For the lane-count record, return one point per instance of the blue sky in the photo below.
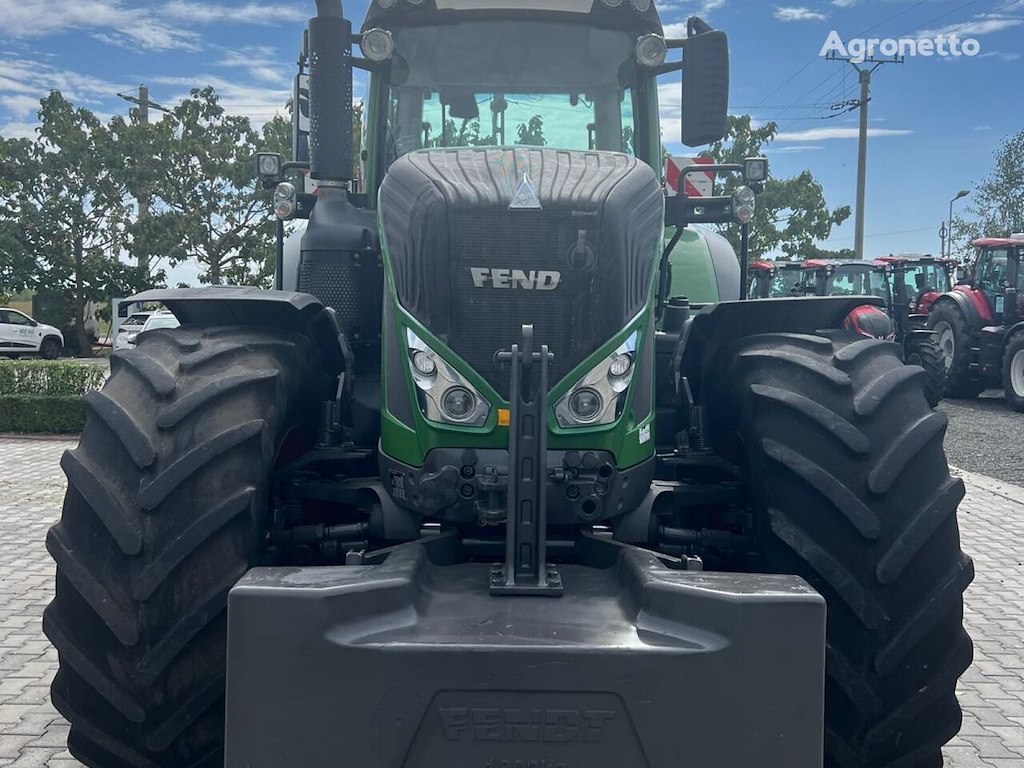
(935, 122)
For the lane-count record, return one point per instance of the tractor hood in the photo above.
(483, 241)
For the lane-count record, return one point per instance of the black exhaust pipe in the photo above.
(330, 94)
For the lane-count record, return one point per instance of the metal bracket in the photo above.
(525, 570)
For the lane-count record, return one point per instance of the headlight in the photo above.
(377, 45)
(620, 366)
(743, 204)
(598, 397)
(651, 50)
(586, 404)
(755, 169)
(424, 363)
(458, 403)
(444, 395)
(284, 201)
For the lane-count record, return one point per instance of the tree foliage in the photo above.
(996, 207)
(206, 206)
(65, 210)
(791, 214)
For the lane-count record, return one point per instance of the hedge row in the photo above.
(44, 396)
(42, 414)
(50, 377)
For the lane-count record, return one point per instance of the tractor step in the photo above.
(413, 664)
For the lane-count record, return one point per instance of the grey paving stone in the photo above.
(32, 734)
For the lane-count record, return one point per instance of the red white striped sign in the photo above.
(695, 184)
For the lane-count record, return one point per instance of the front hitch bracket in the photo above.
(525, 570)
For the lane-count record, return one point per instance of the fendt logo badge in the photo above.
(551, 726)
(485, 277)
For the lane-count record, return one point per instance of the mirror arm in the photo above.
(370, 66)
(666, 68)
(663, 266)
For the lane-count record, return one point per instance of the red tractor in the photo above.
(924, 278)
(980, 324)
(889, 279)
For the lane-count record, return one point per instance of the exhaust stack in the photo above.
(330, 94)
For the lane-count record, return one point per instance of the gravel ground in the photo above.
(986, 436)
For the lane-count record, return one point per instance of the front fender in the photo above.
(720, 325)
(1013, 331)
(236, 305)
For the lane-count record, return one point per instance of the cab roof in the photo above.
(825, 263)
(435, 12)
(928, 259)
(995, 242)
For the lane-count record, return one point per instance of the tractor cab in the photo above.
(998, 279)
(778, 279)
(919, 279)
(848, 277)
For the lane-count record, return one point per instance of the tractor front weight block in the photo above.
(412, 663)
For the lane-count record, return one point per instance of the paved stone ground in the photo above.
(32, 734)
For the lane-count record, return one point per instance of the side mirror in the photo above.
(705, 105)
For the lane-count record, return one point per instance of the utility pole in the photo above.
(141, 114)
(864, 69)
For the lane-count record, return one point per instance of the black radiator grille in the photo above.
(353, 290)
(484, 320)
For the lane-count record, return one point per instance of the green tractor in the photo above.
(475, 486)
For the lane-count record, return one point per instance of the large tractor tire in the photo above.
(851, 491)
(924, 351)
(166, 503)
(1013, 372)
(954, 339)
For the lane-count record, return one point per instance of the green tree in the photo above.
(791, 214)
(206, 205)
(531, 134)
(996, 207)
(70, 211)
(17, 264)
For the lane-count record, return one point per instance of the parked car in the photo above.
(160, 319)
(21, 335)
(129, 329)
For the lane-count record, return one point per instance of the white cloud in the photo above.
(24, 79)
(985, 24)
(20, 105)
(137, 25)
(17, 130)
(110, 20)
(825, 134)
(1002, 55)
(676, 30)
(796, 148)
(708, 6)
(843, 3)
(250, 13)
(795, 13)
(260, 61)
(257, 103)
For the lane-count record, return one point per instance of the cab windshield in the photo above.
(532, 84)
(857, 281)
(786, 282)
